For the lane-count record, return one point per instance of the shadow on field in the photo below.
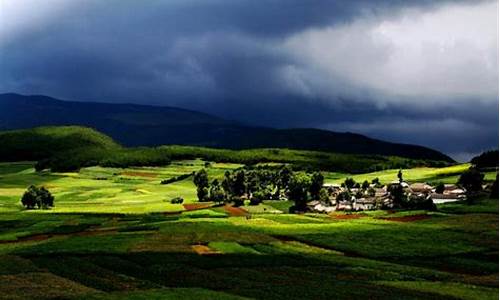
(255, 276)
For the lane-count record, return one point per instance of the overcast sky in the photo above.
(423, 72)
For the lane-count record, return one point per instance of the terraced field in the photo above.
(114, 235)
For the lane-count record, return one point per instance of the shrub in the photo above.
(177, 200)
(176, 178)
(237, 201)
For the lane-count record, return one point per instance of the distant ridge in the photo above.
(145, 125)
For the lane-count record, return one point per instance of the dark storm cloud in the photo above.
(281, 63)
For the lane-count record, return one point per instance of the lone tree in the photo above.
(200, 179)
(316, 185)
(37, 197)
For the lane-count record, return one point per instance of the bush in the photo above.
(237, 201)
(176, 178)
(177, 200)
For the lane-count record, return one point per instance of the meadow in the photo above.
(113, 234)
(420, 174)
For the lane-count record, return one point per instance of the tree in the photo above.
(344, 196)
(238, 184)
(365, 185)
(316, 185)
(284, 176)
(488, 159)
(39, 197)
(200, 179)
(376, 181)
(216, 193)
(324, 196)
(440, 188)
(494, 189)
(349, 183)
(227, 184)
(471, 180)
(252, 182)
(397, 194)
(400, 176)
(46, 198)
(298, 187)
(30, 197)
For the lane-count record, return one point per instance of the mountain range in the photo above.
(145, 125)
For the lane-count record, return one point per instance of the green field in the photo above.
(106, 190)
(113, 234)
(430, 175)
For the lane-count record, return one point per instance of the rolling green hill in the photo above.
(68, 148)
(44, 142)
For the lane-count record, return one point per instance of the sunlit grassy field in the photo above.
(430, 175)
(106, 190)
(138, 190)
(113, 234)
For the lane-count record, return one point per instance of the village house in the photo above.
(377, 197)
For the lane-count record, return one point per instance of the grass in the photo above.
(114, 235)
(106, 190)
(430, 175)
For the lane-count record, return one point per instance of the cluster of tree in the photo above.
(472, 181)
(261, 184)
(113, 158)
(35, 197)
(488, 159)
(176, 178)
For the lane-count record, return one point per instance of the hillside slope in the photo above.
(44, 142)
(142, 125)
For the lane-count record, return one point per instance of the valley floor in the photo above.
(115, 235)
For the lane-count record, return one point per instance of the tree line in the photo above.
(261, 184)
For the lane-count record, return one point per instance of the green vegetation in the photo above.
(488, 159)
(69, 148)
(44, 142)
(114, 234)
(37, 197)
(449, 174)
